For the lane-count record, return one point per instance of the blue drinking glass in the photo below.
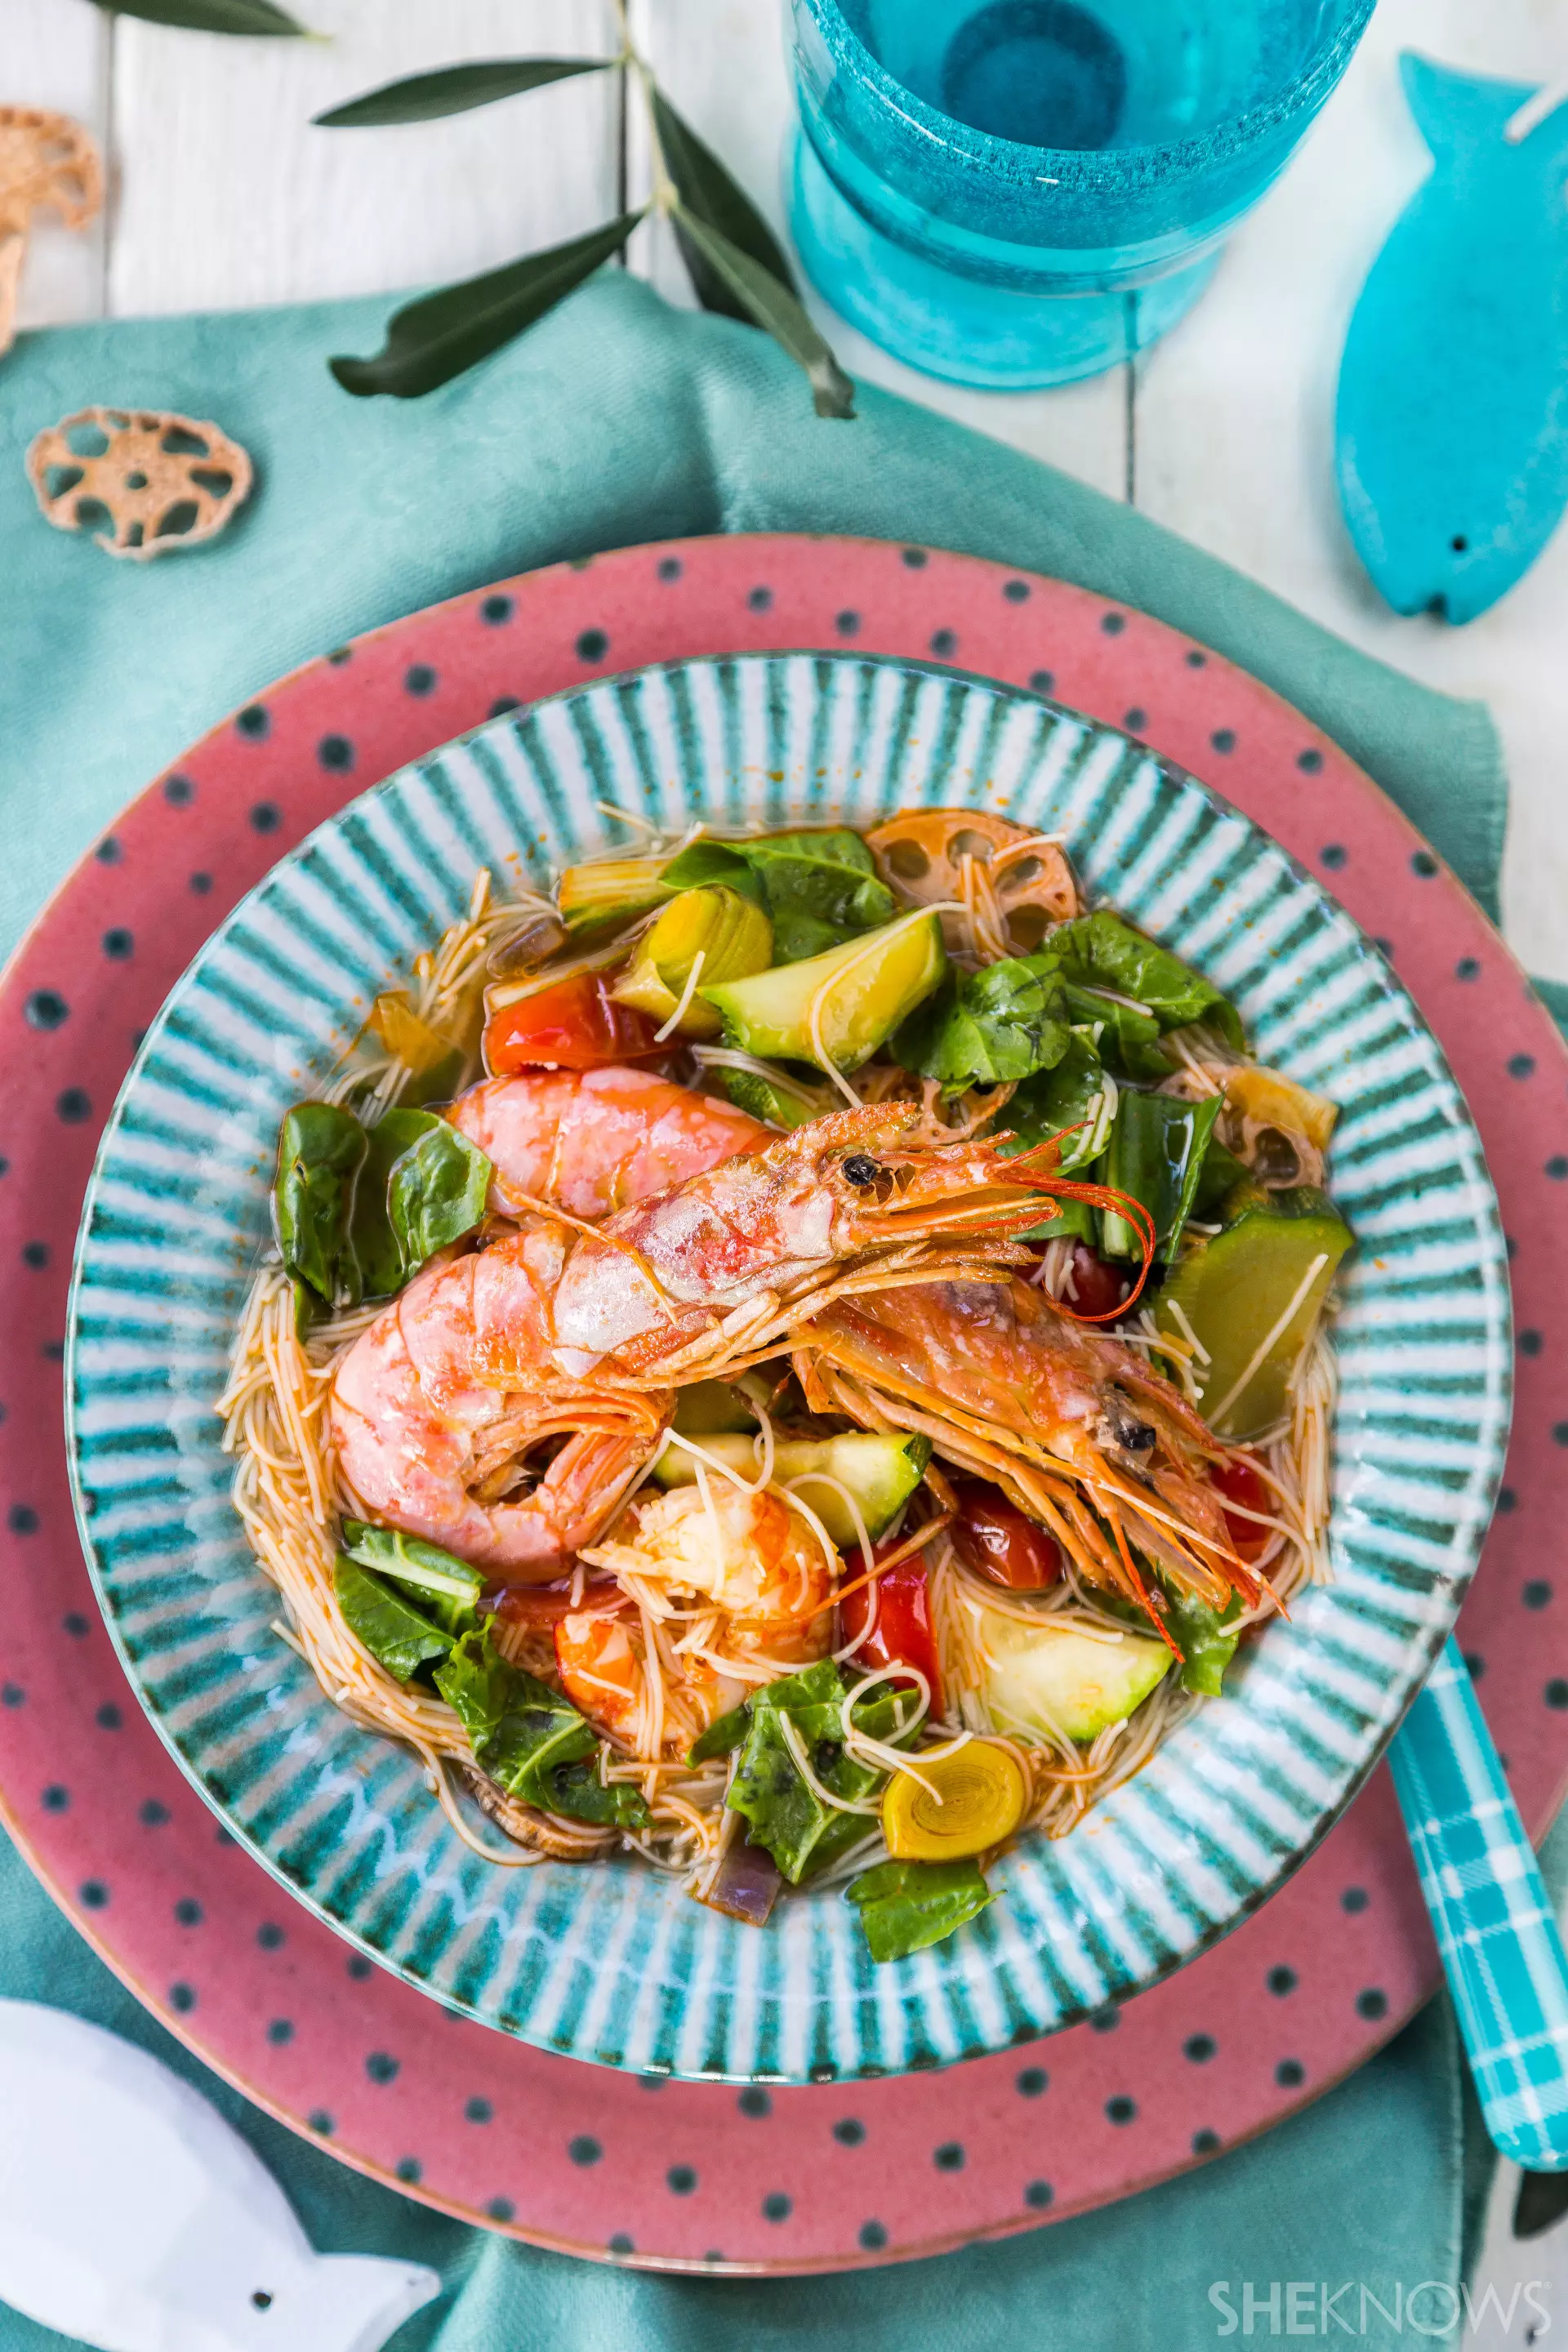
(1013, 192)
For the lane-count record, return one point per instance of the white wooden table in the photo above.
(221, 194)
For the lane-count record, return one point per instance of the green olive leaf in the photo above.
(249, 16)
(455, 90)
(706, 189)
(431, 340)
(773, 308)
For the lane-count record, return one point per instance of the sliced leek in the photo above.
(710, 933)
(958, 1804)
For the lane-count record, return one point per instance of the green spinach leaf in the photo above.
(520, 1728)
(905, 1905)
(820, 889)
(1201, 1634)
(529, 1739)
(376, 1244)
(1204, 1636)
(1219, 1174)
(358, 1211)
(1156, 1154)
(1073, 1095)
(320, 1150)
(703, 864)
(722, 1736)
(982, 1028)
(786, 1815)
(786, 1812)
(396, 1634)
(1127, 1041)
(436, 1193)
(448, 1587)
(1077, 1095)
(1100, 950)
(576, 1791)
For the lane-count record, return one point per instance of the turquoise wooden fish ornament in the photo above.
(1451, 436)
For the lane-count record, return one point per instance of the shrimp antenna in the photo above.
(1098, 1196)
(1122, 1205)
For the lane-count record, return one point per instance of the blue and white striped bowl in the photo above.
(611, 1963)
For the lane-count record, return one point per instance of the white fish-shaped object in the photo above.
(1452, 429)
(133, 2217)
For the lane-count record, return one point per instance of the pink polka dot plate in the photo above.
(577, 2158)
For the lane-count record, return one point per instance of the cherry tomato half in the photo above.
(1238, 1482)
(998, 1541)
(904, 1635)
(1096, 1285)
(576, 1025)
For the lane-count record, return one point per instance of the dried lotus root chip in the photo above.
(1279, 1129)
(45, 160)
(160, 481)
(923, 854)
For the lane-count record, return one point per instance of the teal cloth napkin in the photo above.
(619, 421)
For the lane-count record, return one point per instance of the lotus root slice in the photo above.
(158, 481)
(45, 160)
(922, 855)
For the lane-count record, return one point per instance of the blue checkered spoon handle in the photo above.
(1494, 1921)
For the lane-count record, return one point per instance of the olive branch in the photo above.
(735, 263)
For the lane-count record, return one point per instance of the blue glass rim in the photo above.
(1083, 167)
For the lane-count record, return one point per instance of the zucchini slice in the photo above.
(882, 1473)
(834, 1010)
(1044, 1677)
(711, 1409)
(1252, 1296)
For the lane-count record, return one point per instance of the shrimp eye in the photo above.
(860, 1170)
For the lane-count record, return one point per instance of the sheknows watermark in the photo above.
(1431, 2308)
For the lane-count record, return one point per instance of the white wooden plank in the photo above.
(230, 197)
(725, 65)
(55, 53)
(1235, 423)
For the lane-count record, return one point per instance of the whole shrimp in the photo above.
(564, 1330)
(1074, 1424)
